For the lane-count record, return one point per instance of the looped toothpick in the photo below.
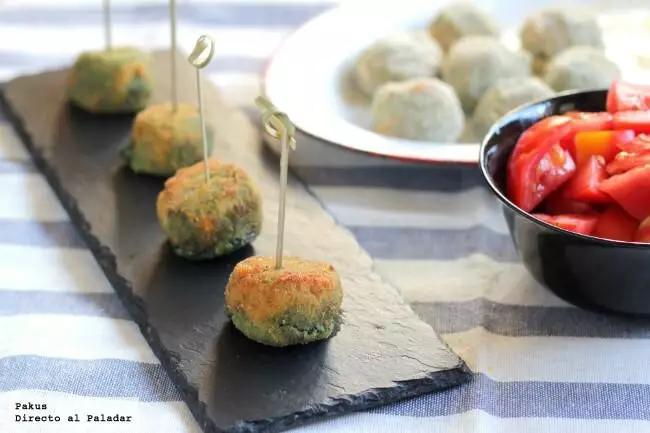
(278, 125)
(200, 58)
(275, 120)
(202, 53)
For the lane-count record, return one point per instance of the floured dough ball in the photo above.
(398, 57)
(581, 67)
(203, 220)
(538, 65)
(297, 304)
(461, 19)
(549, 31)
(475, 63)
(115, 81)
(422, 109)
(162, 141)
(504, 96)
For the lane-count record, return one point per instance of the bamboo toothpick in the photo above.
(278, 125)
(200, 58)
(107, 25)
(172, 28)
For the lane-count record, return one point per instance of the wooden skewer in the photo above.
(200, 58)
(278, 125)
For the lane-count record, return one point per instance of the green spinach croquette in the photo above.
(504, 96)
(203, 220)
(399, 56)
(114, 81)
(163, 141)
(297, 304)
(460, 19)
(475, 63)
(551, 30)
(422, 109)
(581, 67)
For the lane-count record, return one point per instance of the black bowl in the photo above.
(587, 271)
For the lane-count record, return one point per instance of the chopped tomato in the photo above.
(538, 165)
(556, 163)
(558, 203)
(638, 121)
(639, 144)
(643, 232)
(552, 129)
(551, 172)
(624, 96)
(603, 143)
(591, 121)
(614, 223)
(583, 224)
(585, 122)
(631, 190)
(625, 161)
(585, 184)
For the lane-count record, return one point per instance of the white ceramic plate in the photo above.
(308, 76)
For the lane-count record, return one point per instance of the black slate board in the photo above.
(382, 353)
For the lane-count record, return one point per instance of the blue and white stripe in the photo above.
(540, 364)
(66, 339)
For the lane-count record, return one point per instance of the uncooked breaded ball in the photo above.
(581, 67)
(297, 304)
(538, 65)
(398, 57)
(114, 81)
(549, 31)
(162, 141)
(422, 109)
(475, 63)
(459, 20)
(504, 96)
(203, 220)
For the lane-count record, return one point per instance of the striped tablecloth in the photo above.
(65, 341)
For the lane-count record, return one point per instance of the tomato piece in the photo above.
(553, 128)
(624, 96)
(611, 102)
(638, 121)
(631, 190)
(585, 122)
(558, 203)
(638, 144)
(616, 224)
(552, 171)
(591, 120)
(627, 161)
(583, 224)
(603, 143)
(585, 184)
(538, 165)
(643, 232)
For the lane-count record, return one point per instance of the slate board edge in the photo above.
(135, 307)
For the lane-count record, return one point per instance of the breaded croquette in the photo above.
(114, 81)
(203, 220)
(163, 141)
(297, 304)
